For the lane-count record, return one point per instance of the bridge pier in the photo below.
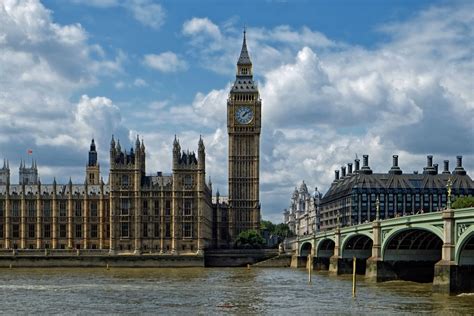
(335, 259)
(298, 261)
(376, 270)
(449, 278)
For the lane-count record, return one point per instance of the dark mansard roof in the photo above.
(430, 179)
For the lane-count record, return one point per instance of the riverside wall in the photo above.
(101, 258)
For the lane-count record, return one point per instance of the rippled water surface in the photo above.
(213, 291)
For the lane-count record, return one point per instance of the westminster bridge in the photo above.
(437, 247)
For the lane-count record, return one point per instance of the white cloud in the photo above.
(42, 65)
(139, 82)
(147, 12)
(197, 26)
(324, 102)
(165, 62)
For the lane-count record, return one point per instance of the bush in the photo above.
(249, 239)
(463, 202)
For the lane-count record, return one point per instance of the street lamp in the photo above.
(449, 185)
(377, 209)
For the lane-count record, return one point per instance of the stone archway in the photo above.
(324, 251)
(412, 253)
(358, 246)
(306, 249)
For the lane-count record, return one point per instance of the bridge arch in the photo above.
(325, 248)
(464, 251)
(412, 252)
(397, 231)
(357, 245)
(306, 248)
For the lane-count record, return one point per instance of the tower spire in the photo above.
(244, 58)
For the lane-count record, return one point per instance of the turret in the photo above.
(93, 167)
(201, 154)
(28, 175)
(176, 152)
(5, 173)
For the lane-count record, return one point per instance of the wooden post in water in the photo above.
(309, 264)
(354, 276)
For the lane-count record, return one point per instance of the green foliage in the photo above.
(267, 225)
(281, 230)
(463, 202)
(249, 239)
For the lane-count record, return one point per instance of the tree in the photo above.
(249, 239)
(463, 202)
(267, 225)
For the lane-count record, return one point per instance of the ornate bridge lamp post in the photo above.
(377, 209)
(449, 186)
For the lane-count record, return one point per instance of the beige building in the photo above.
(133, 212)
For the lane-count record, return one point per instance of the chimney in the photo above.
(349, 168)
(395, 168)
(343, 171)
(365, 167)
(366, 161)
(446, 167)
(336, 175)
(429, 161)
(459, 168)
(429, 169)
(357, 165)
(436, 167)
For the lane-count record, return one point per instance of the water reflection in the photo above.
(213, 291)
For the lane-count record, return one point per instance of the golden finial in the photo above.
(377, 209)
(449, 186)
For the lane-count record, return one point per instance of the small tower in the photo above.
(28, 175)
(93, 167)
(176, 152)
(201, 154)
(5, 173)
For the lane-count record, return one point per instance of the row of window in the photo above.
(93, 208)
(148, 230)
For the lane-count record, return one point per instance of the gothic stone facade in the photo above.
(133, 212)
(302, 217)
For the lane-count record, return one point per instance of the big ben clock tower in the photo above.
(244, 109)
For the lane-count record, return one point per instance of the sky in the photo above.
(337, 79)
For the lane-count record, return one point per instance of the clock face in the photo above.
(244, 115)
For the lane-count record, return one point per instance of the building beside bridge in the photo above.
(353, 195)
(302, 216)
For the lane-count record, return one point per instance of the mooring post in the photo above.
(354, 276)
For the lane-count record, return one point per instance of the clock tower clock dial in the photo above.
(244, 115)
(243, 125)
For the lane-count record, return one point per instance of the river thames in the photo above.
(236, 291)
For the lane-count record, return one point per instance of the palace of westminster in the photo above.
(136, 212)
